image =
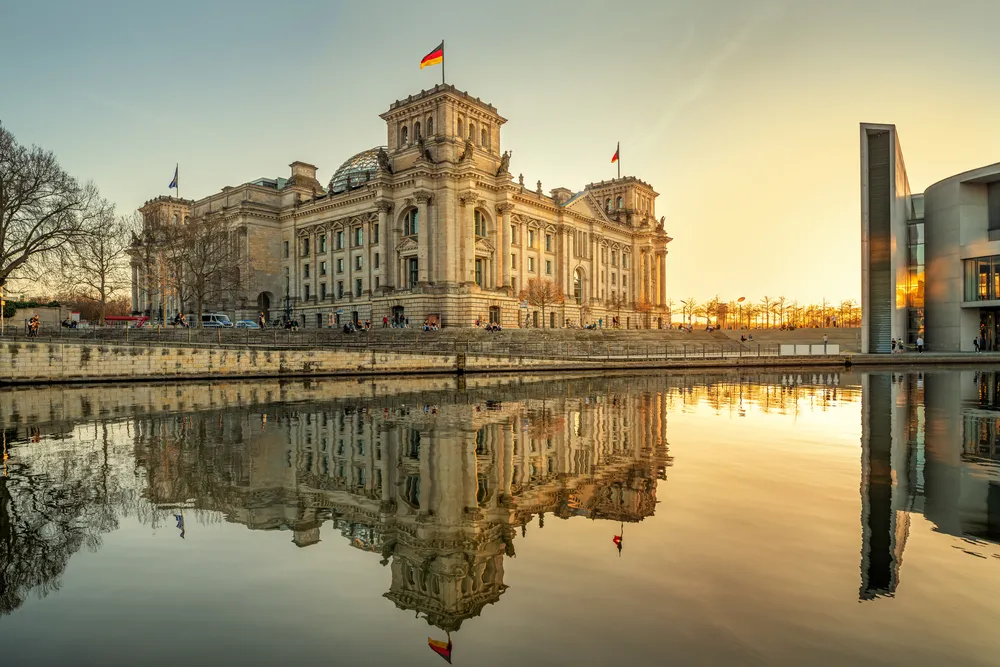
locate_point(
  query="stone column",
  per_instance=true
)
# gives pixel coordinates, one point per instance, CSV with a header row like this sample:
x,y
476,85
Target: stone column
x,y
663,279
387,243
467,239
423,236
505,241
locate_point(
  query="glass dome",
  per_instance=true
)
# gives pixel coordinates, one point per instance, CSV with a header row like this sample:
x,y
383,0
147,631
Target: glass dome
x,y
355,171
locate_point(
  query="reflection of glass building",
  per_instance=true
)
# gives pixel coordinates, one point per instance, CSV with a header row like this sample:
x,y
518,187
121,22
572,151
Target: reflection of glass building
x,y
437,491
929,446
950,234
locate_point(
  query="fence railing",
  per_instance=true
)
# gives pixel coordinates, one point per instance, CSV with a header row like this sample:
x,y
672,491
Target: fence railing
x,y
406,341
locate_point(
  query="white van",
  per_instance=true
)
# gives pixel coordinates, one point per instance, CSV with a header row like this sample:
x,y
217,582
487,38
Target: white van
x,y
215,321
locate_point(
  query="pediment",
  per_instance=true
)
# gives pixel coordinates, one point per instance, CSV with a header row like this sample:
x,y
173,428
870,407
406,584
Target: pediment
x,y
406,244
588,206
484,246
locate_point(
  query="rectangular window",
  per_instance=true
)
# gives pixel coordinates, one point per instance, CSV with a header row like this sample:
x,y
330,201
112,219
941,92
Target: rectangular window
x,y
531,264
357,262
376,282
513,235
548,267
513,261
624,281
614,258
479,272
305,270
305,247
548,243
359,236
340,265
614,278
322,268
340,240
357,287
340,289
531,238
286,250
322,290
413,272
322,243
307,292
624,261
376,261
375,233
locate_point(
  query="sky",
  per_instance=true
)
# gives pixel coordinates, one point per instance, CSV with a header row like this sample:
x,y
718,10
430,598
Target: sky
x,y
742,114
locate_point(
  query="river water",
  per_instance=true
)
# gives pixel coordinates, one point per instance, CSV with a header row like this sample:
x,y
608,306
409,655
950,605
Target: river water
x,y
690,519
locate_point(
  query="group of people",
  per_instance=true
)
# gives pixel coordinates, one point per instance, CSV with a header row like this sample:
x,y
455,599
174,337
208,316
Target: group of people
x,y
430,325
33,325
488,326
398,322
355,327
180,321
899,346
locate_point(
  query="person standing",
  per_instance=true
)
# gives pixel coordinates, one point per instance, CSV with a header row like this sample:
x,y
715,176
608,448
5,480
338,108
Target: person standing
x,y
920,343
261,320
825,341
975,343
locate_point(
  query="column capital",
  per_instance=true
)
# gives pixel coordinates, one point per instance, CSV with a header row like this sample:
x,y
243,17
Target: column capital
x,y
423,196
384,205
467,197
505,208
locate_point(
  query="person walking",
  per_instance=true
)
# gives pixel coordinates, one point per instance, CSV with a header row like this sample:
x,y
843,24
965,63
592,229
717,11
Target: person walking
x,y
920,343
825,341
975,343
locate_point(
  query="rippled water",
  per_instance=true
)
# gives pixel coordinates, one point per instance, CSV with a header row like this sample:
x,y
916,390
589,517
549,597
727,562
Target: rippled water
x,y
779,519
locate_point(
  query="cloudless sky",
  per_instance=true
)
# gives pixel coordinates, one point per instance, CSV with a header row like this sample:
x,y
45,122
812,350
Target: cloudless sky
x,y
742,114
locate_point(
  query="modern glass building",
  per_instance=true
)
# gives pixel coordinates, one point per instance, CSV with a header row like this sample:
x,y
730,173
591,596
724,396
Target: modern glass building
x,y
930,261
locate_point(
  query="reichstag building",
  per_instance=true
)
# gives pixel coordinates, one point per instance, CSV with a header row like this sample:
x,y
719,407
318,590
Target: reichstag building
x,y
432,226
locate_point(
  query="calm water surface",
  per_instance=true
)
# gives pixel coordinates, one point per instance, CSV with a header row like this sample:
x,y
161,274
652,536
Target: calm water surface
x,y
779,519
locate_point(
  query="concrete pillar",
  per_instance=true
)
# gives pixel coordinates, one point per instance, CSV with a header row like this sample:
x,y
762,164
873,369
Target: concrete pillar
x,y
505,241
663,279
423,236
467,239
388,243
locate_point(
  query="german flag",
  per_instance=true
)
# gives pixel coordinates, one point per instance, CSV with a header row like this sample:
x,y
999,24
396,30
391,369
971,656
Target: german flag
x,y
443,649
614,158
435,57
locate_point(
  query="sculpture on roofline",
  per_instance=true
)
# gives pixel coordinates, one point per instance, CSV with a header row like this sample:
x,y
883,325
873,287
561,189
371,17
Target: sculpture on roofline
x,y
504,163
383,161
467,153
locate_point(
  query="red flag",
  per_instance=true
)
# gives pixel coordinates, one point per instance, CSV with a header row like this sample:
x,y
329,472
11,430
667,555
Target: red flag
x,y
617,539
614,158
435,57
443,649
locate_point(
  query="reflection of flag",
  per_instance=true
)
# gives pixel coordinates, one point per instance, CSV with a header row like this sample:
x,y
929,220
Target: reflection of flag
x,y
435,57
617,539
614,158
180,523
443,649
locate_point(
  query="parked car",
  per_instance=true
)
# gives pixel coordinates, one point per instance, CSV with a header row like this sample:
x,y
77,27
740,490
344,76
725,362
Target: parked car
x,y
216,321
246,324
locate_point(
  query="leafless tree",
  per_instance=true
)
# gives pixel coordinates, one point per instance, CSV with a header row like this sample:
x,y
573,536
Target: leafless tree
x,y
207,261
95,267
42,208
617,302
542,294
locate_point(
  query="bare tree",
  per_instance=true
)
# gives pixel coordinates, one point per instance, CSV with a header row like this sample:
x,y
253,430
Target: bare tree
x,y
617,302
95,267
689,306
643,307
208,261
766,305
42,208
670,310
542,294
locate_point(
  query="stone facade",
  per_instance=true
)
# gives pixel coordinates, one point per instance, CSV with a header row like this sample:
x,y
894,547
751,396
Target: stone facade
x,y
433,226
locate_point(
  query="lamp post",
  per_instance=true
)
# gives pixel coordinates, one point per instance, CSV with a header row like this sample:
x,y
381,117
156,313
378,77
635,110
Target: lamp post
x,y
740,301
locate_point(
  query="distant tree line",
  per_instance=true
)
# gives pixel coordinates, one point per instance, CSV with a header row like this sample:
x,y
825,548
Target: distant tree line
x,y
767,313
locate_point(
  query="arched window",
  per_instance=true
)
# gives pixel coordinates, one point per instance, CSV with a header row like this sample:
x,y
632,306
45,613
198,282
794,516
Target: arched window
x,y
578,288
411,223
607,204
460,135
416,131
430,126
485,138
620,202
472,131
480,223
403,136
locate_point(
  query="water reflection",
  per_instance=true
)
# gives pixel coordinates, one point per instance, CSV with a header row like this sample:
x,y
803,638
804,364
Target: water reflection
x,y
439,479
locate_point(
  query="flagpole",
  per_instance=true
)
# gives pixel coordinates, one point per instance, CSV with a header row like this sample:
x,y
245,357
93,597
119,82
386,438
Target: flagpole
x,y
619,161
442,62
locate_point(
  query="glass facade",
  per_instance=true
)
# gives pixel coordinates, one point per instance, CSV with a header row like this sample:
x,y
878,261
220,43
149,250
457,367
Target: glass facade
x,y
915,288
982,278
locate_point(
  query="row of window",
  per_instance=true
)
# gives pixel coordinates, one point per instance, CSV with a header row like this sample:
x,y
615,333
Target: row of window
x,y
307,292
982,278
358,265
358,237
411,267
417,133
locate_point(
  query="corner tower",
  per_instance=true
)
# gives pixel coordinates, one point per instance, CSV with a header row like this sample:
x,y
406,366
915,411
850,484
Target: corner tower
x,y
443,124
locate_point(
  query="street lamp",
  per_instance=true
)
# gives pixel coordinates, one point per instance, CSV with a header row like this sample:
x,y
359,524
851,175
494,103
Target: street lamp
x,y
740,301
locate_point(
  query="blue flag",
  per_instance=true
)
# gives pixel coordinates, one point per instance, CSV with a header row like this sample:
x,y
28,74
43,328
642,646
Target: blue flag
x,y
173,183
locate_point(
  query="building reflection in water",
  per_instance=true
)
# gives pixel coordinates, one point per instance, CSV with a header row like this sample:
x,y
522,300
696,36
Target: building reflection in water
x,y
437,492
929,445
